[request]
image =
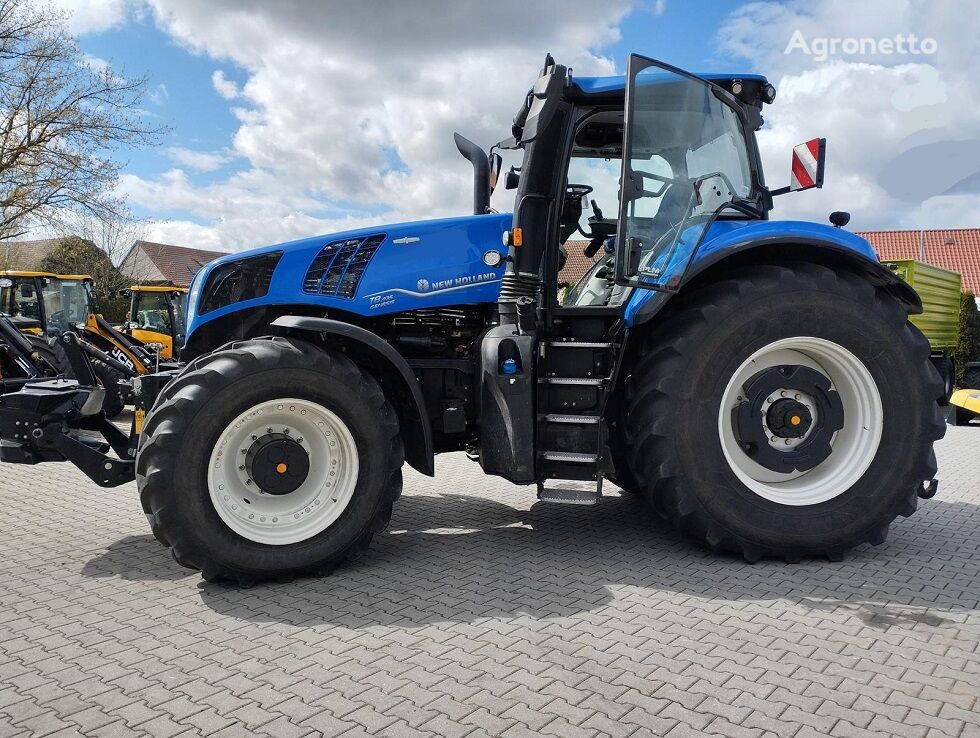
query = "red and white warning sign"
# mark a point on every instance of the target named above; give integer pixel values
(807, 165)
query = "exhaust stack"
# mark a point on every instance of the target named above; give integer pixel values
(481, 172)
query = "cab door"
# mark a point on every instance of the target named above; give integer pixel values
(683, 163)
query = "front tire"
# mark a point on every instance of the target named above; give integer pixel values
(109, 377)
(825, 349)
(269, 458)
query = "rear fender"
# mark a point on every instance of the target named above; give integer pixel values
(387, 366)
(837, 253)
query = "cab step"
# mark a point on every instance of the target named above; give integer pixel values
(578, 344)
(571, 494)
(577, 381)
(570, 457)
(573, 419)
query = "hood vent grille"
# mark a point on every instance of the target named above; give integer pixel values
(338, 268)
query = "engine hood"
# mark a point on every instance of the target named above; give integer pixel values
(422, 264)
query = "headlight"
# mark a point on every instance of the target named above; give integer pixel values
(235, 281)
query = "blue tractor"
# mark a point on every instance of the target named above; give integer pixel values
(756, 380)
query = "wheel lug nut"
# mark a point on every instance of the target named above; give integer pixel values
(248, 482)
(255, 438)
(285, 431)
(241, 468)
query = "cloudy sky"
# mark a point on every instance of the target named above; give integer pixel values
(297, 118)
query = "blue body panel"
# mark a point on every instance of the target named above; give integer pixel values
(617, 83)
(424, 264)
(441, 264)
(729, 236)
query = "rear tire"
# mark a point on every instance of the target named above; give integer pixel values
(947, 372)
(676, 425)
(187, 432)
(971, 377)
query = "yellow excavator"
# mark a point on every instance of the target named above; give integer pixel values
(157, 317)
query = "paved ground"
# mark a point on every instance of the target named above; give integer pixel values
(480, 613)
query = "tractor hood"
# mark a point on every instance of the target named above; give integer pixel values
(368, 271)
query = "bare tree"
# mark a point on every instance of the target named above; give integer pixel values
(112, 238)
(61, 117)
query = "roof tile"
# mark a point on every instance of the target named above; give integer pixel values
(956, 249)
(178, 264)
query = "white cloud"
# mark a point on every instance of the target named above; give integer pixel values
(874, 109)
(159, 94)
(96, 63)
(224, 86)
(92, 16)
(351, 112)
(200, 161)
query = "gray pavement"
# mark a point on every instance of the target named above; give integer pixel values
(483, 612)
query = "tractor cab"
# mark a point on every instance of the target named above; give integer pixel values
(641, 168)
(157, 317)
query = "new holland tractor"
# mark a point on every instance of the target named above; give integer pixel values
(758, 381)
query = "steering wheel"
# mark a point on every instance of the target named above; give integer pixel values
(576, 190)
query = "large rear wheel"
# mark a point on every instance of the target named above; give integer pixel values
(786, 410)
(269, 458)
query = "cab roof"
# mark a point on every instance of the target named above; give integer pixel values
(155, 288)
(617, 83)
(28, 275)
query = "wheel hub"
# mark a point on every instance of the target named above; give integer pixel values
(277, 463)
(787, 418)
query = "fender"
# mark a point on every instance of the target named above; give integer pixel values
(389, 368)
(734, 242)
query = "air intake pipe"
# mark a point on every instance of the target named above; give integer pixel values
(481, 172)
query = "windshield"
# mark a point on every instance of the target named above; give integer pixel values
(66, 302)
(686, 162)
(180, 314)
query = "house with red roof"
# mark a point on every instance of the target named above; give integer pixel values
(165, 264)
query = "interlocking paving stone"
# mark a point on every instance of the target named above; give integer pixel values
(484, 612)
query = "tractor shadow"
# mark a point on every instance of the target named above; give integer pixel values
(459, 558)
(136, 559)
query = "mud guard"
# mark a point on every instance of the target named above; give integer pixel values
(388, 367)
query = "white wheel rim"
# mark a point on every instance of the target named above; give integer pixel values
(310, 509)
(853, 447)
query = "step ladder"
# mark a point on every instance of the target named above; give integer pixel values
(574, 378)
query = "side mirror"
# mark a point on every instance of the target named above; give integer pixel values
(807, 165)
(512, 179)
(496, 161)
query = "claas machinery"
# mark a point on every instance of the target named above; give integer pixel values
(758, 381)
